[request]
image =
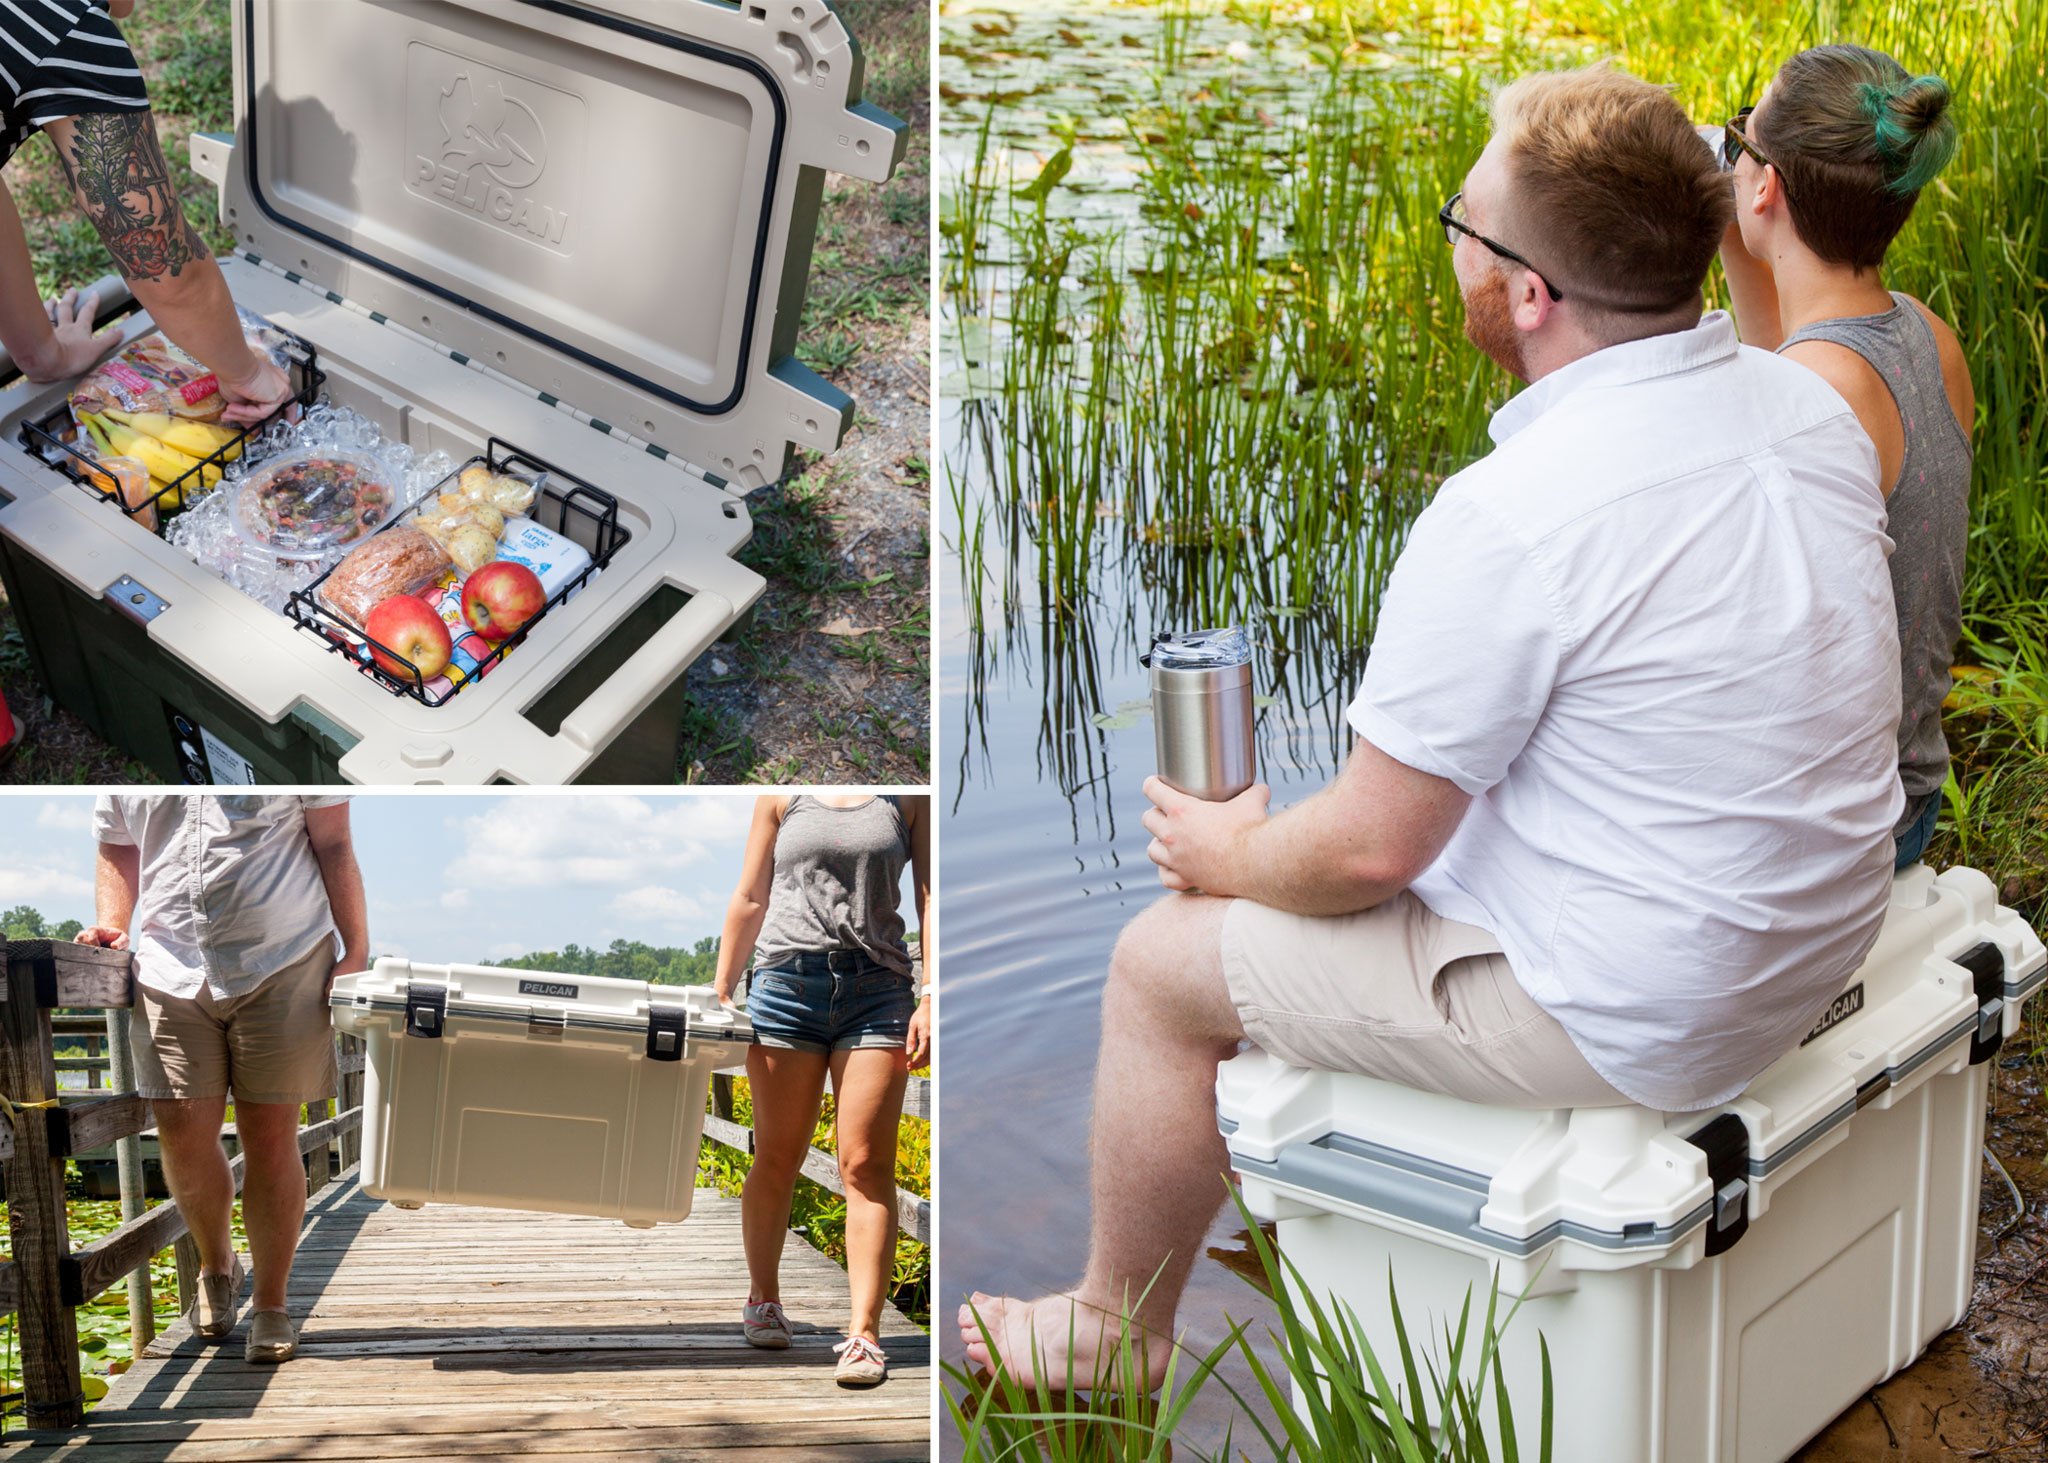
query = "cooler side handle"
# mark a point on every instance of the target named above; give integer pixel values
(632, 688)
(212, 152)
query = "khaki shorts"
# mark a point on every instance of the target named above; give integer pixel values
(1398, 993)
(274, 1044)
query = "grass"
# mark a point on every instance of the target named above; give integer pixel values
(1440, 1398)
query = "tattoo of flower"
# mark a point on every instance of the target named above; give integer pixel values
(116, 168)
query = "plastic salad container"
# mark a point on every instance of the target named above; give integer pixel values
(309, 504)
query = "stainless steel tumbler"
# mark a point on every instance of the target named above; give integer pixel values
(1202, 713)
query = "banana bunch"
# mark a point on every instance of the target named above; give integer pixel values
(170, 447)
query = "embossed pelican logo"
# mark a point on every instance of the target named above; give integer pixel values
(482, 127)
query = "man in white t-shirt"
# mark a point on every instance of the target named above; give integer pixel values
(243, 910)
(1617, 823)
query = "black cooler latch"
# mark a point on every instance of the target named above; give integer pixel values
(426, 1009)
(1987, 977)
(668, 1028)
(1725, 1141)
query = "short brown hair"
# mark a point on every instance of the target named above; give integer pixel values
(1607, 172)
(1855, 139)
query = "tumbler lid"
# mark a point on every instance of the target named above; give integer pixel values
(1200, 650)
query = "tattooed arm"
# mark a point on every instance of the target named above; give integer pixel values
(122, 183)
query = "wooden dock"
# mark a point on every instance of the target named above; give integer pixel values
(481, 1333)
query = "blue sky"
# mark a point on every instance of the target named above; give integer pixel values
(458, 878)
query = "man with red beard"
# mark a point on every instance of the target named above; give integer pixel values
(1617, 824)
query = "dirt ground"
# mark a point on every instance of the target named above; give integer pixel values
(830, 681)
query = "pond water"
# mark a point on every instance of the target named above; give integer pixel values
(1047, 742)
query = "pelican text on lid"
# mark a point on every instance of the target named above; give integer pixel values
(500, 147)
(1847, 1004)
(553, 990)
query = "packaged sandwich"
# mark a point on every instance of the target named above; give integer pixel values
(152, 375)
(400, 560)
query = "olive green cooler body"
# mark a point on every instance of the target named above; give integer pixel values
(581, 231)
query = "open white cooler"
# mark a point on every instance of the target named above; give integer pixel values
(518, 1089)
(1714, 1287)
(575, 229)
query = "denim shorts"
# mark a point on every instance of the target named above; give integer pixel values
(836, 1000)
(1909, 845)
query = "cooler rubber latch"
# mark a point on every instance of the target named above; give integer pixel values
(668, 1031)
(426, 1009)
(1725, 1141)
(1987, 977)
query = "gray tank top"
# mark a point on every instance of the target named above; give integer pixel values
(1929, 526)
(837, 876)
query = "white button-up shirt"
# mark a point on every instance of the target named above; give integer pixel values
(1652, 635)
(230, 891)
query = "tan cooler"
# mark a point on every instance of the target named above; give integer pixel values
(1713, 1287)
(519, 1089)
(572, 235)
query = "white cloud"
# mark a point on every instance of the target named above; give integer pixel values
(66, 815)
(61, 892)
(535, 842)
(505, 950)
(653, 902)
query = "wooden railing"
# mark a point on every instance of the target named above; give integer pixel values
(47, 1280)
(913, 1211)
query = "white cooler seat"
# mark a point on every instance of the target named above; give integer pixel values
(1715, 1286)
(518, 1089)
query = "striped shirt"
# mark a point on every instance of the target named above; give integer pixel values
(61, 58)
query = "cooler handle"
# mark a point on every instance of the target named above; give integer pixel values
(633, 687)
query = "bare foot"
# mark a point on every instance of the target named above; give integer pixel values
(1057, 1343)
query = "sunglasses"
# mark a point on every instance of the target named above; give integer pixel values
(1452, 217)
(1735, 142)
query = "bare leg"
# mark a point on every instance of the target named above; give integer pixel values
(867, 1088)
(787, 1087)
(196, 1168)
(273, 1195)
(1157, 1161)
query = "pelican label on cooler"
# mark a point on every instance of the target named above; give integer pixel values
(1847, 1004)
(553, 990)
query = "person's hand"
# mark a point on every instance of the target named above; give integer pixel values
(102, 936)
(255, 395)
(350, 963)
(918, 1045)
(1194, 841)
(721, 986)
(77, 350)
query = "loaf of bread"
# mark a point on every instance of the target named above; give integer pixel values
(400, 560)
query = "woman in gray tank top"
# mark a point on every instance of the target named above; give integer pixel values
(832, 995)
(1827, 167)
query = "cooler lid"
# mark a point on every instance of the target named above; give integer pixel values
(538, 1000)
(610, 200)
(1950, 971)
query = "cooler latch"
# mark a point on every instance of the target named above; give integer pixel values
(1725, 1141)
(1987, 977)
(426, 1009)
(668, 1030)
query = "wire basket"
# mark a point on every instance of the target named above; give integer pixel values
(566, 504)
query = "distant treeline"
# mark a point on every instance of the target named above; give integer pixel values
(628, 960)
(25, 923)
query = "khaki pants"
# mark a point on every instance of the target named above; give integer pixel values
(1398, 993)
(272, 1044)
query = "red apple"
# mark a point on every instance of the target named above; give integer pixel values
(408, 626)
(500, 598)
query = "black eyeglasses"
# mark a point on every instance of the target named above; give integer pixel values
(1452, 217)
(1735, 142)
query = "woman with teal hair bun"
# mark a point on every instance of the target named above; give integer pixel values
(1826, 169)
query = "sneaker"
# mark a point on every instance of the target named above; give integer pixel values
(218, 1304)
(765, 1326)
(861, 1363)
(272, 1337)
